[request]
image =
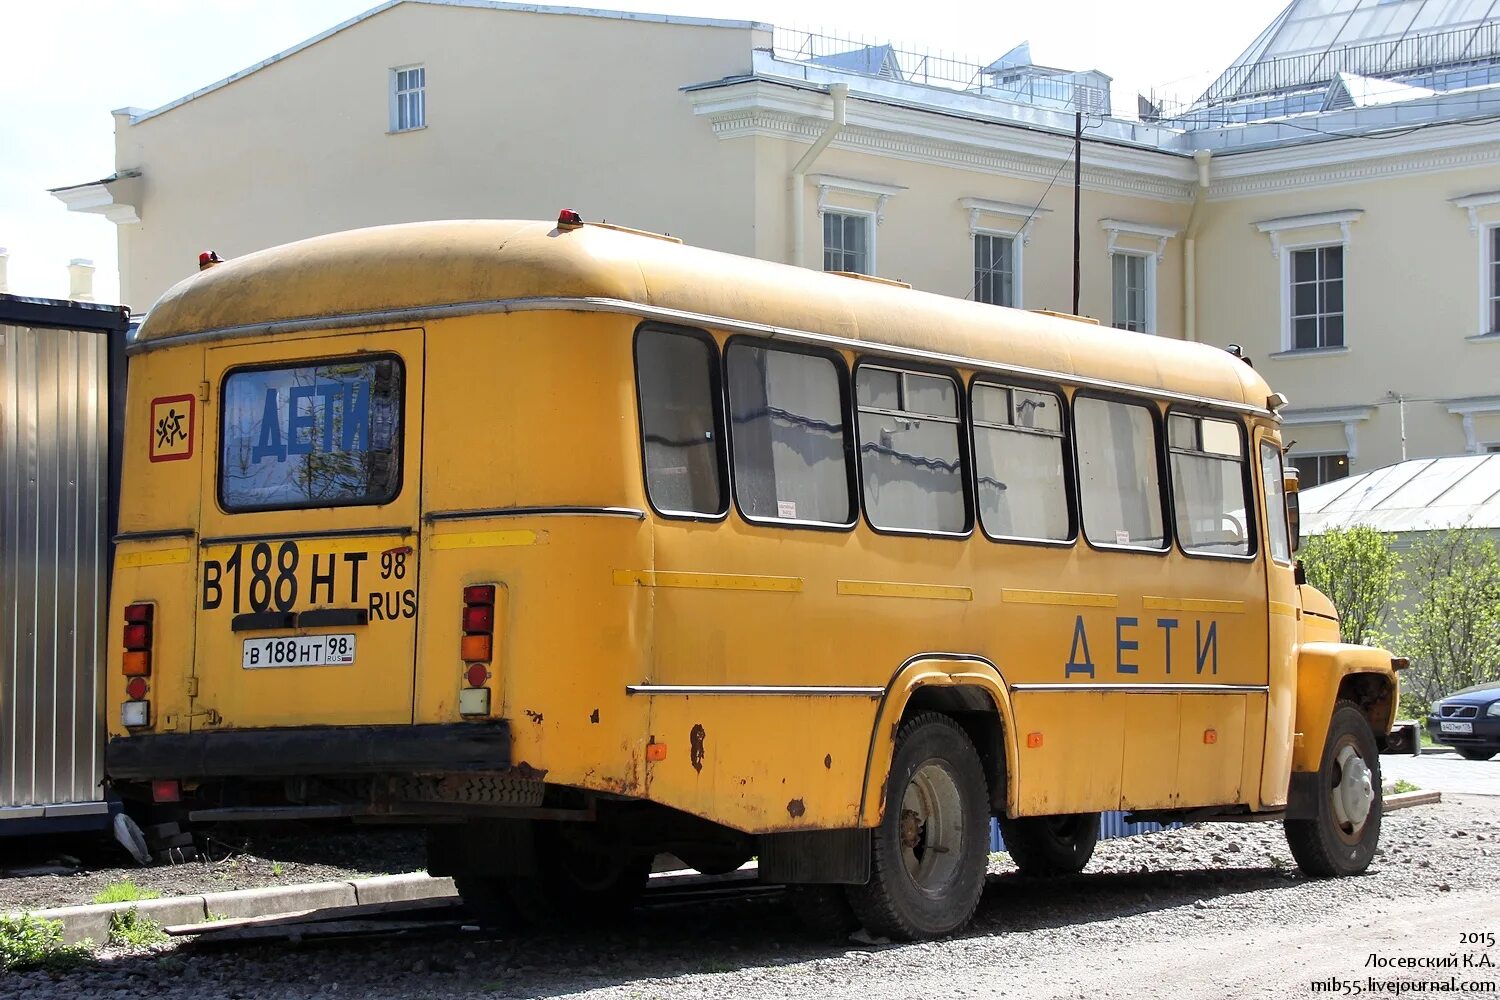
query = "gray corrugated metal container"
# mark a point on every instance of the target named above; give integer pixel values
(59, 362)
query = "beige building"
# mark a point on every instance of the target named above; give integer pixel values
(1331, 204)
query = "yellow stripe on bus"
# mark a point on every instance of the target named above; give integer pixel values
(930, 591)
(706, 581)
(1193, 604)
(1286, 610)
(152, 557)
(1064, 598)
(487, 539)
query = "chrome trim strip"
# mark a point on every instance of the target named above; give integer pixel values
(560, 511)
(1150, 688)
(298, 536)
(543, 303)
(783, 690)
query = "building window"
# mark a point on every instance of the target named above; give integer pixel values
(1492, 269)
(1315, 470)
(995, 269)
(1317, 298)
(408, 98)
(910, 451)
(677, 388)
(846, 242)
(1118, 473)
(791, 445)
(1134, 296)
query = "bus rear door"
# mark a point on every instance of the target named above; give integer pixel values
(307, 594)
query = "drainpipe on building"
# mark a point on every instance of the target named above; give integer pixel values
(81, 279)
(840, 93)
(1189, 249)
(4, 265)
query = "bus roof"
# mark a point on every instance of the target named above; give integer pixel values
(403, 272)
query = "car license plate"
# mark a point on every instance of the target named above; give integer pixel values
(335, 650)
(1456, 727)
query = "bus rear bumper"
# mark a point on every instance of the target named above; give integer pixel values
(314, 750)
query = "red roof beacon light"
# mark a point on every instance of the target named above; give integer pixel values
(569, 219)
(208, 259)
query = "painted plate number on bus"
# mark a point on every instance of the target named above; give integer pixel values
(1456, 727)
(300, 651)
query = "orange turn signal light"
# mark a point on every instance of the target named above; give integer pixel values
(656, 752)
(476, 649)
(1033, 740)
(137, 663)
(1210, 736)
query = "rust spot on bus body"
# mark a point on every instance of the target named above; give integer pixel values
(828, 761)
(795, 808)
(535, 717)
(594, 717)
(695, 749)
(526, 772)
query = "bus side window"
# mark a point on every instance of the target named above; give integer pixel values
(910, 455)
(1118, 473)
(677, 387)
(789, 435)
(1208, 485)
(1020, 459)
(1275, 487)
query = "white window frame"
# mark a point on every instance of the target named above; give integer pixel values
(1115, 228)
(1489, 289)
(1024, 218)
(870, 220)
(393, 94)
(1288, 298)
(1276, 229)
(854, 189)
(1016, 242)
(1150, 259)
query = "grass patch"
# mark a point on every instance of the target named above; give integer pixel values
(276, 869)
(129, 929)
(1403, 786)
(30, 942)
(124, 892)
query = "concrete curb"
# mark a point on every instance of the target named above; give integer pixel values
(91, 922)
(1408, 799)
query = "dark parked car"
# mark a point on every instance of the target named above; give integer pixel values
(1469, 721)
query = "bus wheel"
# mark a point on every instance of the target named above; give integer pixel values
(929, 854)
(823, 909)
(1340, 837)
(1051, 845)
(573, 885)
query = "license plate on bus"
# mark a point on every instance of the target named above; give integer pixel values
(299, 651)
(1456, 727)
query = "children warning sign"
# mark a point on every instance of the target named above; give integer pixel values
(172, 428)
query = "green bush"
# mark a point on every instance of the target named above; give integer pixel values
(1451, 632)
(30, 942)
(1360, 572)
(124, 892)
(131, 930)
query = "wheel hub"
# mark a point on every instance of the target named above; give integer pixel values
(1354, 794)
(930, 828)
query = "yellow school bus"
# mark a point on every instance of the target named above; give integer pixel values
(581, 545)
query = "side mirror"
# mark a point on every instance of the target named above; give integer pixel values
(1293, 508)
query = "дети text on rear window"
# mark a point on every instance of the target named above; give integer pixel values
(314, 435)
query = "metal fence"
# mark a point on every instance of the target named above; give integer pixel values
(1411, 54)
(1111, 825)
(56, 368)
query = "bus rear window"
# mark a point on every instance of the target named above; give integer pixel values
(317, 435)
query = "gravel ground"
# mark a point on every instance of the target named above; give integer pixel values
(1208, 911)
(233, 858)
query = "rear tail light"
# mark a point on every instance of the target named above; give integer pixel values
(166, 791)
(135, 664)
(477, 648)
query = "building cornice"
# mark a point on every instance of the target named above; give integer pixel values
(1472, 203)
(979, 207)
(1353, 159)
(766, 109)
(1116, 228)
(100, 197)
(1274, 228)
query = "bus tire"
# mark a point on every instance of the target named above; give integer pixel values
(823, 909)
(929, 854)
(487, 900)
(1051, 845)
(1341, 835)
(573, 886)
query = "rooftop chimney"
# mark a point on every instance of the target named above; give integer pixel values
(81, 279)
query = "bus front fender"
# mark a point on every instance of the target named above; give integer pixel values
(1328, 672)
(961, 684)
